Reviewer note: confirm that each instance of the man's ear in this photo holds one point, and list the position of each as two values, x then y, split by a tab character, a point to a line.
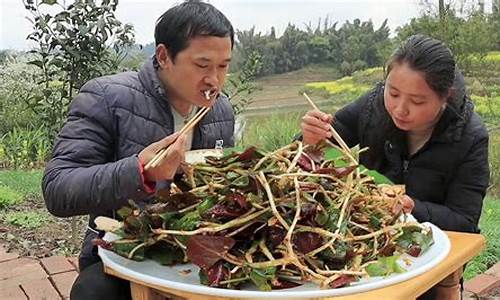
162	56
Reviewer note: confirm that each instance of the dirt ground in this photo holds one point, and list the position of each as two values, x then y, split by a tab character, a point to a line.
53	237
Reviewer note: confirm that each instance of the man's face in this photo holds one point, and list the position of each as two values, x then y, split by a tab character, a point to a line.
199	68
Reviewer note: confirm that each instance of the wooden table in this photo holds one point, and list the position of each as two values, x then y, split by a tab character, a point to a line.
464	246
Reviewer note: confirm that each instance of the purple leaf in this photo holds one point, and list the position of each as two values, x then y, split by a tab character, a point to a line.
304	163
204	251
342	281
217	273
305	242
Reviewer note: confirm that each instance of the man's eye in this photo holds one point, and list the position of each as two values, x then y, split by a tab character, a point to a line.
394	95
201	66
222	66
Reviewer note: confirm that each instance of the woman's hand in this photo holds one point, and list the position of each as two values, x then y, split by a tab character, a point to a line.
315	127
406	204
168	166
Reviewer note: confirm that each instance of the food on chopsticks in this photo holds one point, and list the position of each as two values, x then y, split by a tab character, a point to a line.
275	219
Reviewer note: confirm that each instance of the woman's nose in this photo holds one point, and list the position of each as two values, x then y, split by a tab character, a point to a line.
401	109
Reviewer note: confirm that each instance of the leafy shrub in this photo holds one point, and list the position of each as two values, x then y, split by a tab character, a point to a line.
494	158
23	148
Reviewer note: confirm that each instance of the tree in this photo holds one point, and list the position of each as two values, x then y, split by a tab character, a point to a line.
79	42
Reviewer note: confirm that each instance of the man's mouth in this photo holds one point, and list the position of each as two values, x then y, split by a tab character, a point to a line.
209	94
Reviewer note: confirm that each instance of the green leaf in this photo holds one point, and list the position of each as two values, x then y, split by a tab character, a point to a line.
188	222
124	249
49	2
262	278
384	266
165	254
206	205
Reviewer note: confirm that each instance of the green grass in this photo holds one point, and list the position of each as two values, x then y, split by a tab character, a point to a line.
22	182
27	220
490	228
9	197
271	132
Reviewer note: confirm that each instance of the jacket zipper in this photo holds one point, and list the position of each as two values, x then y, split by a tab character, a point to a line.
406	165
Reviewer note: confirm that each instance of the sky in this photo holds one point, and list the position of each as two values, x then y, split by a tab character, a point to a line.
242	13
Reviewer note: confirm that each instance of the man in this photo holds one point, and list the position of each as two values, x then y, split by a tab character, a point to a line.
116	125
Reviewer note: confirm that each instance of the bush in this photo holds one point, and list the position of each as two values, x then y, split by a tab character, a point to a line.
494	158
9	197
24	148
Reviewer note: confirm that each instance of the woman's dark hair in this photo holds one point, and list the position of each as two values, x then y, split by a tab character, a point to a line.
187	20
429	56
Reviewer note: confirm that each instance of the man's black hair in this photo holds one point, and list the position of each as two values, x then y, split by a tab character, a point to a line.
187	20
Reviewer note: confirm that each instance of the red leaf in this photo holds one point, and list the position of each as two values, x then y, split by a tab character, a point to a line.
280	284
414	250
238	198
305	242
343	171
102	243
217	273
316	155
304	163
343	280
204	251
248	154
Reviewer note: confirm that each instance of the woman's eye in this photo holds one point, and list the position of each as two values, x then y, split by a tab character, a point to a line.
223	66
201	66
394	95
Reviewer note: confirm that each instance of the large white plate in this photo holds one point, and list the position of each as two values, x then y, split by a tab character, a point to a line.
173	277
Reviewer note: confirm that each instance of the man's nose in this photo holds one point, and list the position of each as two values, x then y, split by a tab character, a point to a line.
212	78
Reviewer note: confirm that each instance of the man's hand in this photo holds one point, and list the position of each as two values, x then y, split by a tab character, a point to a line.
315	127
166	169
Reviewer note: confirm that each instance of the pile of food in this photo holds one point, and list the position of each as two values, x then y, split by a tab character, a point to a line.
275	219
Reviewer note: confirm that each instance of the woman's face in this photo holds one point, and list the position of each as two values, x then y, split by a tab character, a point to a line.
410	101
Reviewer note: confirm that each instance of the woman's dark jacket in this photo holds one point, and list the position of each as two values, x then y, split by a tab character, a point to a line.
447	178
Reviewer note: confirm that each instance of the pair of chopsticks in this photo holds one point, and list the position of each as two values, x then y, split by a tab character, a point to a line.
336	136
186	128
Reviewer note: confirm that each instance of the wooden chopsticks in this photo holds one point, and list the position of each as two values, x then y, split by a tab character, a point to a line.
336	136
186	128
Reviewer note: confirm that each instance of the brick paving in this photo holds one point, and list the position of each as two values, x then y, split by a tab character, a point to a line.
29	278
52	278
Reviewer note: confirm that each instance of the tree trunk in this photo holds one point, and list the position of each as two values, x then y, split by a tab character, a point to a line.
442	12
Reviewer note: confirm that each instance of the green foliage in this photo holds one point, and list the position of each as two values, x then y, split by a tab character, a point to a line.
352	47
27	220
487	107
346	89
271	132
23	182
465	36
494	158
74	45
239	85
9	197
18	86
22	148
490	228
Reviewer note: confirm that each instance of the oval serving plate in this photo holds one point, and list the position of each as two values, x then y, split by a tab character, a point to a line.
185	278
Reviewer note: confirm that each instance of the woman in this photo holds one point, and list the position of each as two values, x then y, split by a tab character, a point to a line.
422	131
